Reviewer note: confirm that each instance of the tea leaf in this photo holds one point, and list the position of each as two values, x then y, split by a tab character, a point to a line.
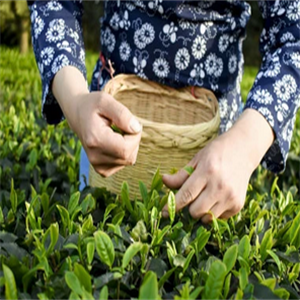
214	284
149	287
196	292
270	283
73	283
108	209
188	260
83	276
227	286
230	256
139	232
189	169
157	182
266	244
103	293
243	278
282	293
73	296
179	260
244	247
90	250
144	193
125	197
171	206
73	203
276	259
88	204
10	283
54	233
131	251
104	248
165	277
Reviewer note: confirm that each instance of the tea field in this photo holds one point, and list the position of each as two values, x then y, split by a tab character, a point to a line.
57	243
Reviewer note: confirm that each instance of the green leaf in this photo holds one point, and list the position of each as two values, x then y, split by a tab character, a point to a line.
54	233
196	292
162	233
125	197
270	283
157	182
118	218
104	248
276	259
42	296
73	203
64	215
90	250
165	277
13	198
282	293
230	257
188	260
131	251
108	209
243	278
10	283
291	235
149	287
144	193
227	286
214	284
73	283
103	293
244	247
171	206
139	231
83	276
1	216
73	296
179	260
189	169
88	204
266	244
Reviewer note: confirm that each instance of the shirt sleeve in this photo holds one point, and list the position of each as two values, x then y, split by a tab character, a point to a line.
276	90
57	42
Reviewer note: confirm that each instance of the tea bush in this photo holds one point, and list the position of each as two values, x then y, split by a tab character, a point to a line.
57	243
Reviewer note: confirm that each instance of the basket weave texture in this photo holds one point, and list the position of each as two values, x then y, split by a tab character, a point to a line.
176	125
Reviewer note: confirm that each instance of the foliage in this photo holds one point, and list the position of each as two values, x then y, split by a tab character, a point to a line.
57	243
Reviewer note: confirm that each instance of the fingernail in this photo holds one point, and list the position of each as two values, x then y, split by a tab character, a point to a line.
135	125
165	214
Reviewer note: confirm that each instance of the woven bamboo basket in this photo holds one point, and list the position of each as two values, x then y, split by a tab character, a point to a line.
176	125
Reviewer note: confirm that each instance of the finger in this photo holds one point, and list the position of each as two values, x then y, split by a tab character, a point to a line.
217	210
189	191
119	114
116	145
107	170
204	202
175	181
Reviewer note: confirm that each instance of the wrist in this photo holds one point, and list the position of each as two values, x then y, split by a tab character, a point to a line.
255	135
68	87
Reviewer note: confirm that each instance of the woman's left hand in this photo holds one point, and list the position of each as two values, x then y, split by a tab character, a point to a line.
222	170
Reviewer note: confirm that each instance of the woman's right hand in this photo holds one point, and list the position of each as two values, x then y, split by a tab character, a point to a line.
90	116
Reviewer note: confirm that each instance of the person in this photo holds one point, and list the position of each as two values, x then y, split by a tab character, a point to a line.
177	43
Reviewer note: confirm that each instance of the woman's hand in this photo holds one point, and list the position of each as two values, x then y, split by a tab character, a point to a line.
222	170
90	116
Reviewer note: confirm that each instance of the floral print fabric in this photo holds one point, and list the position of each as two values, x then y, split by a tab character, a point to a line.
182	43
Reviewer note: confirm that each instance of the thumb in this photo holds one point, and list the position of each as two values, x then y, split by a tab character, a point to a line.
119	114
175	181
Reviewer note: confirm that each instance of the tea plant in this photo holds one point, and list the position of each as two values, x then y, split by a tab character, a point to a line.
57	243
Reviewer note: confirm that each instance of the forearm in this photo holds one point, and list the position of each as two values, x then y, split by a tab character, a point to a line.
68	84
253	134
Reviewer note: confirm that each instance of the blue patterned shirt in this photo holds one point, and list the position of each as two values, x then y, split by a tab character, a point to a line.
182	43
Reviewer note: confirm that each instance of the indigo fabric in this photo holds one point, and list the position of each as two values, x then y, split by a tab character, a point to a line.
182	43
